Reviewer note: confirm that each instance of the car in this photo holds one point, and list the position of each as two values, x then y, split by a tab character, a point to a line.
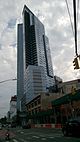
71	127
0	126
26	126
13	125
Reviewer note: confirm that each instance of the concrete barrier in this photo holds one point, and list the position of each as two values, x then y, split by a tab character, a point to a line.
57	125
46	125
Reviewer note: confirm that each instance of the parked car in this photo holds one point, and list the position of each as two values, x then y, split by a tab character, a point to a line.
26	126
13	125
0	126
72	127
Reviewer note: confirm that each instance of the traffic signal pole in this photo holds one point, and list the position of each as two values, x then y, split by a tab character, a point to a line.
76	62
75	26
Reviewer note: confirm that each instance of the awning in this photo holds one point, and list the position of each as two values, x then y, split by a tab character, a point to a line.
41	113
66	99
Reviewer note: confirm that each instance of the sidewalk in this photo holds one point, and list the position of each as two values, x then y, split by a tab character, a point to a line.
3	133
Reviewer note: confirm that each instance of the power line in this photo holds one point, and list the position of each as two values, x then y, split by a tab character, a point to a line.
74	29
70	17
77	11
77	18
75	26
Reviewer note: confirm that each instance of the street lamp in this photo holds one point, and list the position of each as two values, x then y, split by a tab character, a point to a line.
13	79
7	80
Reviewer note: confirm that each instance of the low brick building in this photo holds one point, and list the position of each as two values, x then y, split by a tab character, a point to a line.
55	107
67	107
40	108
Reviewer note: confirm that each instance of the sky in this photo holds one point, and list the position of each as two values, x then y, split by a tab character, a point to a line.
54	15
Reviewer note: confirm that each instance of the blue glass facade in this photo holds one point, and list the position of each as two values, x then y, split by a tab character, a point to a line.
37	51
34	51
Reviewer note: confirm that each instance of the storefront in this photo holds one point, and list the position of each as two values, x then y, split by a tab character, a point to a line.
66	107
63	108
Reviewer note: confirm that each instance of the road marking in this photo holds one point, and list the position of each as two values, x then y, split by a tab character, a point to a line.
42	135
35	137
51	137
15	140
43	139
23	140
31	133
22	132
18	130
57	136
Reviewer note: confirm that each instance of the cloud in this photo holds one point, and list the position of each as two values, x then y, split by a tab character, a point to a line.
0	46
11	23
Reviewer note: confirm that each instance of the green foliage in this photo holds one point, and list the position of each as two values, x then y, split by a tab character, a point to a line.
3	120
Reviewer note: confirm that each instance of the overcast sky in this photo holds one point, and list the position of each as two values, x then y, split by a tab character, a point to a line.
55	17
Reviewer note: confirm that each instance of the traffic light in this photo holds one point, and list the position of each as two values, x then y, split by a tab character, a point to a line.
79	61
75	63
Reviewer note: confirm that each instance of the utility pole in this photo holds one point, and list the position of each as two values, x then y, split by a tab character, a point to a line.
75	26
76	62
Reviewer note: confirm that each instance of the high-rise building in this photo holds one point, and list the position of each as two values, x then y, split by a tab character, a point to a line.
34	58
20	65
35	82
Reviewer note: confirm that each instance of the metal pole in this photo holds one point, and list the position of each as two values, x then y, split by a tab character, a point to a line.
75	26
55	117
8	80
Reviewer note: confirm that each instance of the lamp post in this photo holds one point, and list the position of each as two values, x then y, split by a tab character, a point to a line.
8	80
13	79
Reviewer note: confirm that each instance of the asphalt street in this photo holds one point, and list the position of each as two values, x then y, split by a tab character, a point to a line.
39	135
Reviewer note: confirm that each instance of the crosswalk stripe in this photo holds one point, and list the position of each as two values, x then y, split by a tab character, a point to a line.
44	139
35	137
14	140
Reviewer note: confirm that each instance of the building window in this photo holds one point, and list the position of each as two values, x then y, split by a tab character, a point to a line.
35	103
32	111
29	106
47	94
38	101
39	109
32	105
35	110
29	112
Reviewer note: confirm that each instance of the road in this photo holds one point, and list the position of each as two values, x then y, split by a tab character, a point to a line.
39	135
